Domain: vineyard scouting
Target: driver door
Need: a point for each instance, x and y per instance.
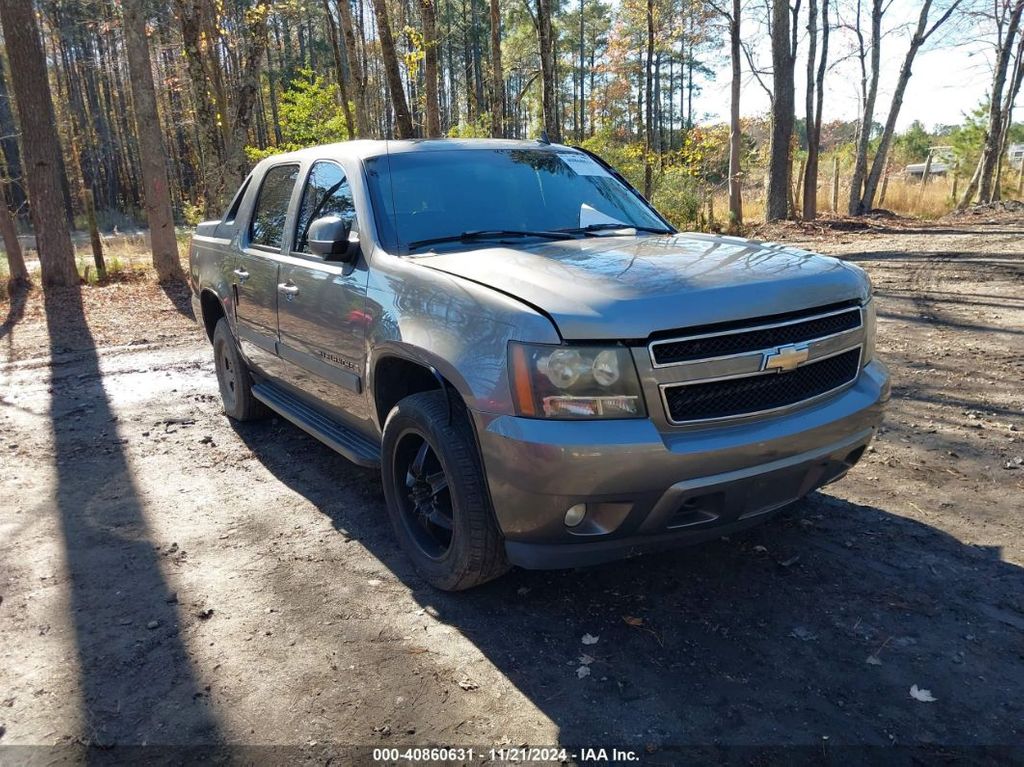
(320, 309)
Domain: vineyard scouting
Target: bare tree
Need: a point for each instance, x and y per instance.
(339, 70)
(40, 143)
(649, 104)
(159, 213)
(17, 272)
(921, 34)
(784, 46)
(222, 140)
(868, 94)
(814, 101)
(546, 43)
(403, 119)
(733, 18)
(355, 68)
(1007, 25)
(432, 125)
(497, 74)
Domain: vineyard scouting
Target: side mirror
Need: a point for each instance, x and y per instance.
(332, 238)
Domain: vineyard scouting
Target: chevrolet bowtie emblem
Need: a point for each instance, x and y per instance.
(785, 358)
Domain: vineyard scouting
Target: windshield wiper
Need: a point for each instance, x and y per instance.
(608, 226)
(492, 234)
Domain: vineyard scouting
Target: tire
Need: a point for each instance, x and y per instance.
(233, 377)
(437, 495)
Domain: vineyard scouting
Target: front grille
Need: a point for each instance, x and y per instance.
(758, 393)
(688, 349)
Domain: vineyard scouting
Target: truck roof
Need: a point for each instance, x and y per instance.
(364, 148)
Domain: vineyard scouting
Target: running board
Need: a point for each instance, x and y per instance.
(354, 446)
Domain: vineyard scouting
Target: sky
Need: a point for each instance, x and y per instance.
(950, 77)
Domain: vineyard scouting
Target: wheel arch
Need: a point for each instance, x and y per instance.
(213, 311)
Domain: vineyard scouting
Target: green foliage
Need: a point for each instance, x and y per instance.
(913, 144)
(679, 196)
(481, 128)
(967, 139)
(309, 115)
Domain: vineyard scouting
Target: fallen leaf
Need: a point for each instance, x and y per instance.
(588, 639)
(582, 671)
(468, 684)
(873, 660)
(417, 650)
(925, 696)
(631, 621)
(586, 660)
(761, 549)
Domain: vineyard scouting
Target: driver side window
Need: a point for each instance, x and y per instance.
(327, 193)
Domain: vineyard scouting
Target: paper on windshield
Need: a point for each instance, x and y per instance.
(590, 216)
(583, 165)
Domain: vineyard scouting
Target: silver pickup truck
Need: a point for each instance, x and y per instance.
(546, 373)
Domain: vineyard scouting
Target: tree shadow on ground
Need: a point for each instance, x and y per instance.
(180, 295)
(15, 311)
(810, 630)
(135, 674)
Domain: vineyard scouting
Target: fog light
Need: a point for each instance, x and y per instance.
(575, 514)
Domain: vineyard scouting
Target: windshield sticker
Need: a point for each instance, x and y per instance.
(593, 217)
(583, 165)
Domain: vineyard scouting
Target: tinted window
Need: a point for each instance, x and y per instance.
(424, 195)
(267, 226)
(327, 193)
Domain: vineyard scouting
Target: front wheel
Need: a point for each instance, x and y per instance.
(437, 494)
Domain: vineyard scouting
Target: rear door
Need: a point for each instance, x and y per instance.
(321, 304)
(255, 275)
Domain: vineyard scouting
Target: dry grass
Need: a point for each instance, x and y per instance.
(905, 197)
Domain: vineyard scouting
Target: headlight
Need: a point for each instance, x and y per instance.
(574, 382)
(869, 331)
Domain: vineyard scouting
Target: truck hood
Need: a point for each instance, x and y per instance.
(629, 287)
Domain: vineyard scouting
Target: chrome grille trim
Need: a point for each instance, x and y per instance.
(748, 329)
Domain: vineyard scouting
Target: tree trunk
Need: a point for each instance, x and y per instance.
(815, 86)
(779, 166)
(211, 139)
(735, 126)
(403, 120)
(921, 35)
(432, 124)
(339, 70)
(869, 94)
(354, 68)
(545, 35)
(248, 89)
(497, 74)
(163, 241)
(648, 104)
(10, 154)
(17, 273)
(40, 143)
(990, 154)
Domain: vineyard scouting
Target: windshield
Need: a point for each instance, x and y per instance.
(423, 197)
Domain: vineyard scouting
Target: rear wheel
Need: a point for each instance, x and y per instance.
(436, 494)
(233, 377)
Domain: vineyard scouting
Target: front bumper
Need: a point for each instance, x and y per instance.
(647, 489)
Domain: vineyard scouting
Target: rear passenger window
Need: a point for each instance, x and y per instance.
(327, 193)
(267, 227)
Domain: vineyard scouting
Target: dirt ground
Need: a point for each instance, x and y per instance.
(168, 577)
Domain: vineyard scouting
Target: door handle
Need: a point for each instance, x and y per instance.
(241, 274)
(289, 291)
